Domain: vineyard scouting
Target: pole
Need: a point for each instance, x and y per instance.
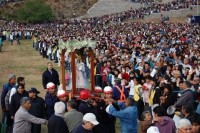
(73, 67)
(63, 69)
(92, 70)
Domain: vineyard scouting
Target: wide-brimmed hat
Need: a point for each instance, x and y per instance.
(33, 90)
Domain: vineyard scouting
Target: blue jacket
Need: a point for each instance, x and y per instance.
(50, 100)
(127, 116)
(5, 89)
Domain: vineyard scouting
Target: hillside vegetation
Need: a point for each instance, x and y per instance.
(62, 9)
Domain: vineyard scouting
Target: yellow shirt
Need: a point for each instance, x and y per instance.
(137, 96)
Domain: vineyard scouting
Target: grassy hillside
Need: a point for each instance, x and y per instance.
(63, 9)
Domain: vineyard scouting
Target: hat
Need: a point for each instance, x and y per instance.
(153, 129)
(11, 76)
(59, 107)
(108, 89)
(184, 122)
(98, 89)
(61, 93)
(91, 118)
(33, 90)
(50, 86)
(85, 94)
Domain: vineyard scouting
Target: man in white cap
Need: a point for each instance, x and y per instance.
(89, 121)
(50, 99)
(184, 126)
(56, 123)
(153, 129)
(62, 95)
(98, 91)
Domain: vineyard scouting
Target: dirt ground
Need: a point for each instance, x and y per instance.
(23, 60)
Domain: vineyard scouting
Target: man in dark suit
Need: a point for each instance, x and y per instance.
(50, 75)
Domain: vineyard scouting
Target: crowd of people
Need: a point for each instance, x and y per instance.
(146, 74)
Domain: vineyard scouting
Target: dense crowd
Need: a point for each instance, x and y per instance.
(146, 74)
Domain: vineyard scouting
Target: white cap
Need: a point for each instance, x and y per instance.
(108, 89)
(183, 123)
(61, 93)
(59, 107)
(91, 118)
(153, 129)
(50, 86)
(98, 89)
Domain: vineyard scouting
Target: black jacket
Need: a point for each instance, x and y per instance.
(106, 121)
(56, 124)
(48, 77)
(15, 102)
(38, 110)
(85, 107)
(37, 107)
(79, 129)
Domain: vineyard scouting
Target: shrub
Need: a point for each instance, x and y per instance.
(34, 11)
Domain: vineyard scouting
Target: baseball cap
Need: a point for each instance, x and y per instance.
(11, 76)
(91, 118)
(33, 90)
(61, 93)
(153, 129)
(98, 89)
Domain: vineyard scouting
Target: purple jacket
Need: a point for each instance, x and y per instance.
(167, 125)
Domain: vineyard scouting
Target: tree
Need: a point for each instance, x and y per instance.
(34, 11)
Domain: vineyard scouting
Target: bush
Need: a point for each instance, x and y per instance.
(34, 11)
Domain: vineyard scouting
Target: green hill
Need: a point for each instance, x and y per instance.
(63, 9)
